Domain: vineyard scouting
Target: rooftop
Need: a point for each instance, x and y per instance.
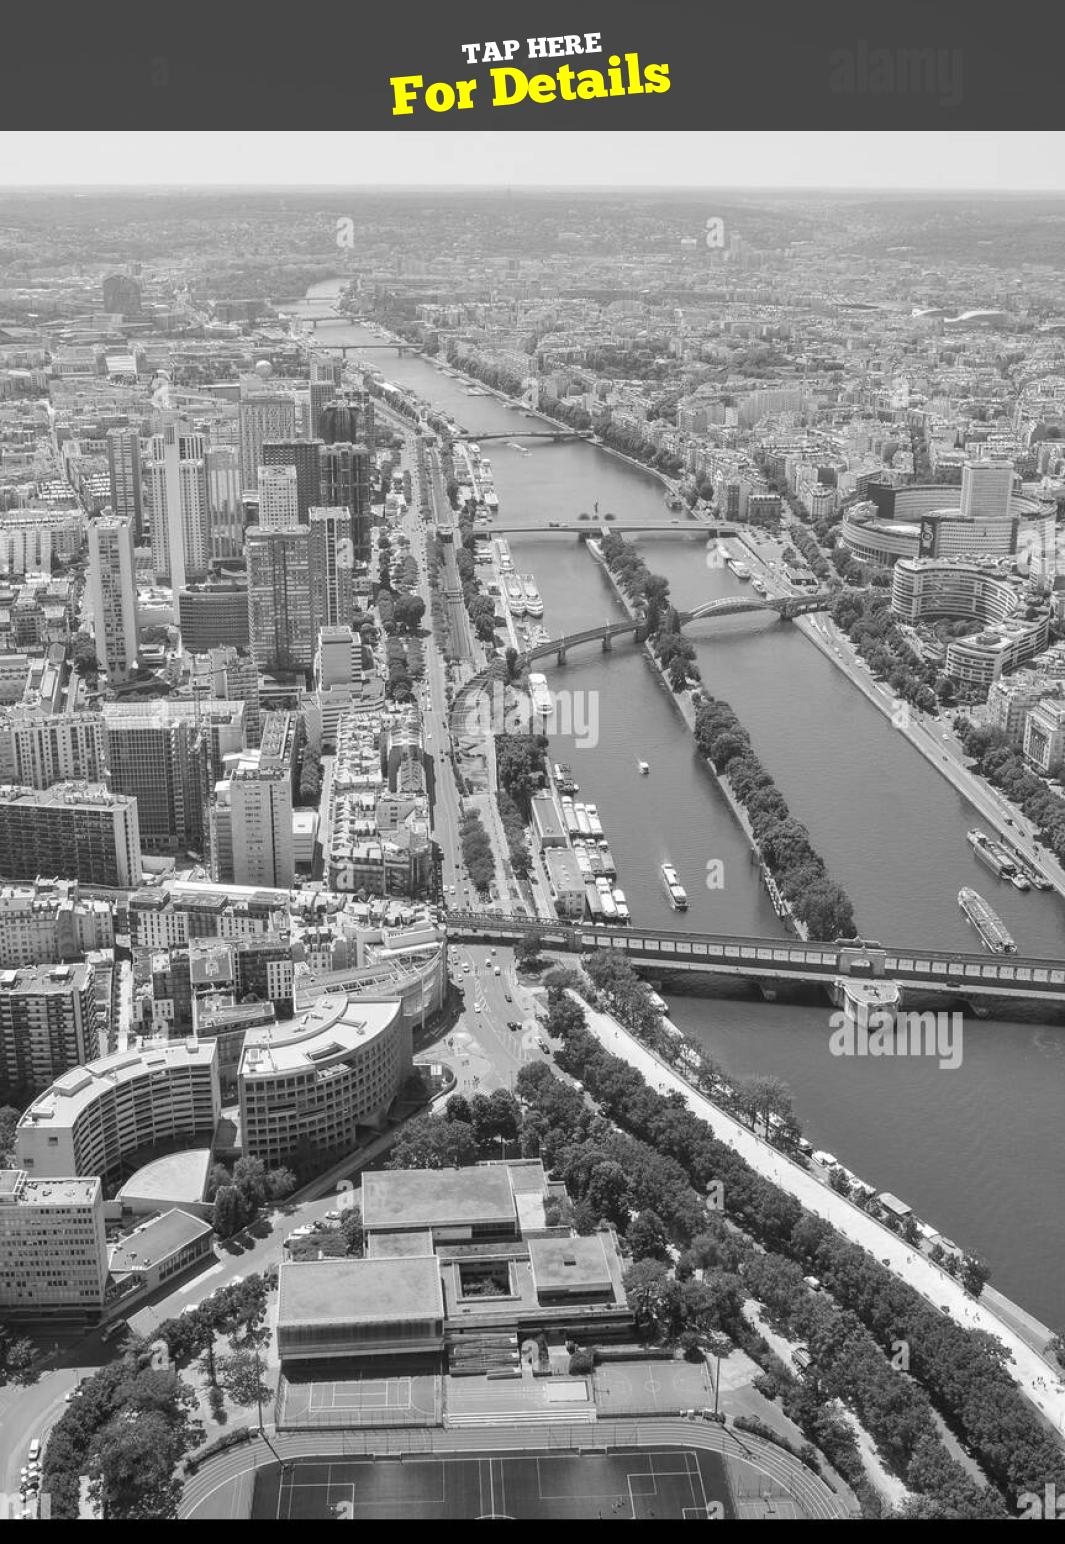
(156, 1240)
(329, 1030)
(569, 1264)
(76, 1090)
(173, 1179)
(405, 1199)
(16, 1188)
(342, 1291)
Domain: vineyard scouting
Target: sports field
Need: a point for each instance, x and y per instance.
(630, 1484)
(342, 1395)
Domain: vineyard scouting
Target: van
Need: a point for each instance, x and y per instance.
(35, 1450)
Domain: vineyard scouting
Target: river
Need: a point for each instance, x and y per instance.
(975, 1150)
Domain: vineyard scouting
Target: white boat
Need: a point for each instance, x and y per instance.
(678, 896)
(594, 823)
(515, 595)
(569, 815)
(606, 900)
(584, 825)
(542, 700)
(644, 767)
(533, 604)
(622, 905)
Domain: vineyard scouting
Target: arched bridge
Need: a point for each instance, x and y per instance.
(786, 605)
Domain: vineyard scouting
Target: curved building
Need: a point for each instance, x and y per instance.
(90, 1120)
(925, 588)
(318, 1078)
(931, 520)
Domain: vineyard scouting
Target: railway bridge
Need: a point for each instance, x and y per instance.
(986, 984)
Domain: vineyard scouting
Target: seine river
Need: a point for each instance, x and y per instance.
(975, 1151)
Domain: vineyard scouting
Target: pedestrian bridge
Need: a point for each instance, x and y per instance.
(987, 984)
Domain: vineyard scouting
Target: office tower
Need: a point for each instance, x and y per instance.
(251, 825)
(124, 467)
(320, 394)
(338, 661)
(38, 749)
(48, 1023)
(331, 557)
(348, 418)
(985, 489)
(53, 1246)
(279, 599)
(194, 518)
(122, 295)
(327, 369)
(213, 614)
(112, 595)
(168, 755)
(79, 830)
(346, 481)
(263, 416)
(278, 498)
(305, 456)
(164, 491)
(225, 507)
(230, 673)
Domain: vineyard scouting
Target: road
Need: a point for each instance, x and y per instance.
(483, 1052)
(1033, 1374)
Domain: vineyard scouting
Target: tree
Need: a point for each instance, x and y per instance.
(249, 1177)
(241, 1375)
(458, 1108)
(219, 1176)
(18, 1357)
(352, 1233)
(974, 1275)
(409, 610)
(228, 1217)
(280, 1183)
(647, 1237)
(132, 1465)
(527, 949)
(645, 1286)
(608, 1193)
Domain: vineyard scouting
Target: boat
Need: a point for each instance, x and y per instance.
(740, 570)
(1020, 881)
(606, 900)
(992, 854)
(584, 863)
(542, 701)
(491, 500)
(569, 815)
(595, 825)
(515, 595)
(606, 857)
(644, 767)
(564, 778)
(533, 604)
(622, 905)
(595, 862)
(991, 928)
(594, 899)
(758, 585)
(584, 825)
(678, 896)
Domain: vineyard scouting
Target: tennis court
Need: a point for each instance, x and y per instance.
(353, 1397)
(637, 1484)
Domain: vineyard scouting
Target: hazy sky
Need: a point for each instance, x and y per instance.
(951, 159)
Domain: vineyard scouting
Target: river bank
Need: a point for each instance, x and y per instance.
(685, 706)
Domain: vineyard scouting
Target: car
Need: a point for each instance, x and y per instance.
(512, 1026)
(544, 1047)
(333, 1216)
(497, 970)
(35, 1450)
(507, 997)
(476, 1007)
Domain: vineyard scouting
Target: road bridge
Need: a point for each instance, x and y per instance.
(594, 529)
(986, 984)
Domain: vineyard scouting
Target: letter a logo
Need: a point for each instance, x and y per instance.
(715, 232)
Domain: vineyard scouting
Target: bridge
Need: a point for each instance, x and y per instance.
(593, 529)
(526, 434)
(983, 983)
(787, 606)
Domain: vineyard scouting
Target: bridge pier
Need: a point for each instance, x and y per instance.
(608, 644)
(561, 654)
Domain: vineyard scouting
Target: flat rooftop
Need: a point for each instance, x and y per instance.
(395, 1246)
(406, 1199)
(328, 1031)
(364, 1291)
(76, 1090)
(16, 1188)
(157, 1240)
(569, 1264)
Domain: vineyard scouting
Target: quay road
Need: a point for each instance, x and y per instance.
(931, 734)
(965, 976)
(1038, 1382)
